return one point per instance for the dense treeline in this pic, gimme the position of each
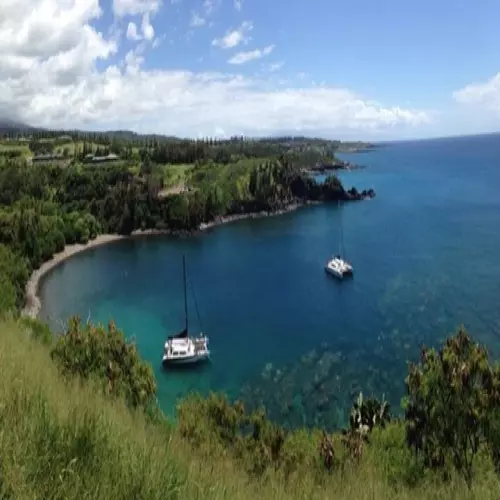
(163, 149)
(122, 202)
(43, 207)
(13, 133)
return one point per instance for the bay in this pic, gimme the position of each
(425, 253)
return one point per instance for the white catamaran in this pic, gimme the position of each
(181, 348)
(337, 266)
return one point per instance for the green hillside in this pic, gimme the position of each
(64, 439)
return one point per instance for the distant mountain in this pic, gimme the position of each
(8, 124)
(131, 135)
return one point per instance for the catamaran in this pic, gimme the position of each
(181, 348)
(337, 266)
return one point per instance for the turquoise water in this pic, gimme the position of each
(426, 253)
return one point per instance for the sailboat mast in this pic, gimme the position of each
(185, 291)
(341, 230)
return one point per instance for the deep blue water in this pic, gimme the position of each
(426, 253)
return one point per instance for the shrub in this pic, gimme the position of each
(91, 351)
(14, 275)
(214, 422)
(364, 417)
(393, 458)
(451, 396)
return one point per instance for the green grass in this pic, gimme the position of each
(174, 175)
(70, 145)
(7, 146)
(135, 169)
(64, 440)
(60, 440)
(233, 177)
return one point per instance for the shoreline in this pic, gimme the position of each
(33, 304)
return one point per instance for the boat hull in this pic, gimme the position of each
(337, 273)
(186, 360)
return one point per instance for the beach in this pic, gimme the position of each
(33, 304)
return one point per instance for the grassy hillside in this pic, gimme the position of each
(106, 438)
(63, 439)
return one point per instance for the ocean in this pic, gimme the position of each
(425, 253)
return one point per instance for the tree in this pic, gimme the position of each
(86, 350)
(451, 394)
(7, 295)
(196, 209)
(14, 275)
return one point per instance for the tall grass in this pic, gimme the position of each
(62, 440)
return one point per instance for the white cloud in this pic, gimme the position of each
(196, 20)
(157, 41)
(238, 4)
(219, 132)
(148, 32)
(275, 66)
(49, 77)
(133, 62)
(132, 32)
(200, 19)
(244, 57)
(485, 95)
(132, 7)
(210, 6)
(147, 29)
(234, 37)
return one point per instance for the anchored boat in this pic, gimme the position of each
(181, 348)
(338, 266)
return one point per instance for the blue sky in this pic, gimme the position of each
(387, 69)
(415, 52)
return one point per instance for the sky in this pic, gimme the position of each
(361, 69)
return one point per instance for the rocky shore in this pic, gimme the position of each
(254, 215)
(353, 194)
(323, 168)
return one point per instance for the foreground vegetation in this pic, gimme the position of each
(79, 421)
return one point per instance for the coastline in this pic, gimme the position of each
(254, 215)
(33, 303)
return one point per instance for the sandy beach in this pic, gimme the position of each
(33, 304)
